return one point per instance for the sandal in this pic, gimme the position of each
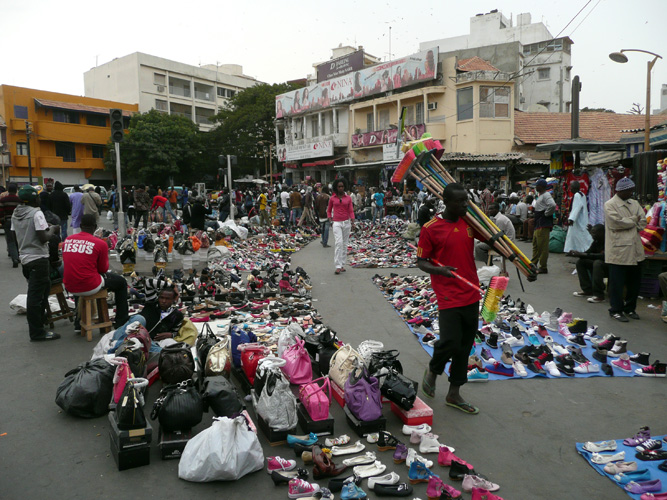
(464, 407)
(427, 389)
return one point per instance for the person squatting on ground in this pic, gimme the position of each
(340, 213)
(545, 207)
(450, 241)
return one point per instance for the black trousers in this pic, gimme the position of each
(39, 285)
(591, 273)
(619, 277)
(139, 214)
(458, 327)
(116, 284)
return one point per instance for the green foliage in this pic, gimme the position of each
(602, 110)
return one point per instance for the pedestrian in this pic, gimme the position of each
(284, 204)
(450, 241)
(172, 196)
(61, 206)
(529, 222)
(321, 204)
(45, 197)
(115, 207)
(503, 223)
(8, 204)
(91, 202)
(163, 203)
(98, 191)
(295, 205)
(262, 200)
(662, 279)
(591, 267)
(86, 260)
(544, 221)
(340, 213)
(76, 199)
(624, 219)
(33, 234)
(377, 204)
(407, 202)
(426, 211)
(198, 212)
(578, 238)
(142, 203)
(485, 197)
(223, 205)
(308, 208)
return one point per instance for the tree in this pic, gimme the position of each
(636, 109)
(158, 146)
(601, 110)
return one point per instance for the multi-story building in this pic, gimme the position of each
(168, 86)
(539, 65)
(57, 136)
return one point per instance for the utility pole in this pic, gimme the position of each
(27, 137)
(229, 178)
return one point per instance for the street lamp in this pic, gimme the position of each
(620, 57)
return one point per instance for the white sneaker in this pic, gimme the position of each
(598, 458)
(374, 469)
(373, 437)
(415, 437)
(339, 441)
(365, 459)
(587, 367)
(391, 478)
(519, 369)
(552, 369)
(514, 341)
(530, 310)
(429, 444)
(601, 446)
(420, 429)
(412, 456)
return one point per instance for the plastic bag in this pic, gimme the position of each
(557, 240)
(103, 345)
(485, 273)
(226, 451)
(87, 390)
(241, 231)
(19, 303)
(109, 215)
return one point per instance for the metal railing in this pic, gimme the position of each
(185, 92)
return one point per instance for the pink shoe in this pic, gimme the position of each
(277, 463)
(298, 488)
(564, 331)
(623, 363)
(565, 318)
(445, 457)
(436, 488)
(482, 494)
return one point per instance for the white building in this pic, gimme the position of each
(542, 65)
(168, 86)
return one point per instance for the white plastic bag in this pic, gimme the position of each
(484, 274)
(287, 338)
(18, 303)
(109, 215)
(226, 451)
(242, 232)
(102, 346)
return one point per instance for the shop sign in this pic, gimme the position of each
(309, 150)
(392, 152)
(340, 66)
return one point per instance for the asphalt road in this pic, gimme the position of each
(522, 439)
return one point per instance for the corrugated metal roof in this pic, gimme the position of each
(70, 106)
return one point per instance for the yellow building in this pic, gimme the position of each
(66, 136)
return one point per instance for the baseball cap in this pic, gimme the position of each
(28, 193)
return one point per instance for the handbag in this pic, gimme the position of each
(276, 403)
(218, 359)
(250, 356)
(264, 368)
(342, 363)
(367, 348)
(176, 363)
(384, 359)
(220, 395)
(315, 400)
(362, 395)
(179, 407)
(326, 349)
(298, 368)
(240, 336)
(120, 377)
(399, 389)
(130, 410)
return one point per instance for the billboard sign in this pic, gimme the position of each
(388, 136)
(403, 72)
(340, 66)
(309, 150)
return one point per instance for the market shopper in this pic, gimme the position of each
(591, 267)
(92, 202)
(340, 213)
(578, 238)
(624, 219)
(163, 203)
(33, 233)
(295, 205)
(142, 203)
(76, 199)
(449, 241)
(8, 204)
(61, 206)
(377, 204)
(321, 204)
(263, 201)
(544, 210)
(503, 223)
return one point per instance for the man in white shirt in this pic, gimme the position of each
(284, 203)
(503, 223)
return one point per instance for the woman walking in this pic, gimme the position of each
(341, 213)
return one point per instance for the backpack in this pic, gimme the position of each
(176, 363)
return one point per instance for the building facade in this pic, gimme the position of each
(539, 65)
(168, 86)
(58, 136)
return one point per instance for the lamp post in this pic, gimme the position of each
(620, 57)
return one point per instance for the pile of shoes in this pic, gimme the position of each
(380, 245)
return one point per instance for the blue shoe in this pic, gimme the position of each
(419, 473)
(533, 339)
(475, 375)
(308, 440)
(635, 475)
(350, 491)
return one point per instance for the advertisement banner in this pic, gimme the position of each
(340, 66)
(387, 136)
(310, 150)
(391, 152)
(403, 72)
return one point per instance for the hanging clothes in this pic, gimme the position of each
(584, 183)
(578, 238)
(599, 193)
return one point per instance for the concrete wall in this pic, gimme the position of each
(116, 80)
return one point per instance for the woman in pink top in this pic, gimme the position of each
(341, 212)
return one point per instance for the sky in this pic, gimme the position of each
(49, 45)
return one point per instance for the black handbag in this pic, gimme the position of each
(136, 357)
(385, 359)
(326, 349)
(220, 395)
(205, 341)
(176, 363)
(179, 408)
(399, 389)
(130, 408)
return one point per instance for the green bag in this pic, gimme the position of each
(557, 240)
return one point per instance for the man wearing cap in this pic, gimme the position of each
(624, 219)
(33, 235)
(544, 221)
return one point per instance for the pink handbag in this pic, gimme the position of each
(297, 368)
(121, 376)
(314, 399)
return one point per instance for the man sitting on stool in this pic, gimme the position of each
(591, 268)
(503, 223)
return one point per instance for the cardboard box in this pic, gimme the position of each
(131, 457)
(420, 413)
(171, 444)
(129, 438)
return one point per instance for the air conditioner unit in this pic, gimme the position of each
(432, 106)
(160, 88)
(349, 161)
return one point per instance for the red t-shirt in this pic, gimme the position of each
(85, 257)
(451, 244)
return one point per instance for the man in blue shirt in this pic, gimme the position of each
(377, 204)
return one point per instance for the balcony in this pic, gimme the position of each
(387, 136)
(180, 91)
(58, 162)
(483, 76)
(204, 93)
(71, 132)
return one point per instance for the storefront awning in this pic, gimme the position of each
(71, 106)
(580, 145)
(319, 163)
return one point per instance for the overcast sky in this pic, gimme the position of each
(48, 45)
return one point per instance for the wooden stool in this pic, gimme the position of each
(64, 312)
(489, 262)
(102, 321)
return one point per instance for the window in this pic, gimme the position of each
(494, 102)
(66, 151)
(231, 93)
(568, 105)
(221, 92)
(419, 113)
(21, 112)
(383, 119)
(370, 123)
(22, 148)
(65, 117)
(96, 120)
(314, 131)
(543, 73)
(98, 151)
(464, 105)
(161, 105)
(159, 79)
(410, 115)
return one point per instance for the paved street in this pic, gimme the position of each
(522, 439)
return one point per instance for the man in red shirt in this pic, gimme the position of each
(86, 260)
(451, 242)
(162, 202)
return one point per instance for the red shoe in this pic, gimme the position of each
(445, 457)
(480, 494)
(438, 490)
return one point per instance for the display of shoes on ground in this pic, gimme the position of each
(380, 245)
(637, 464)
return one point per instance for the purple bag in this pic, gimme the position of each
(362, 395)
